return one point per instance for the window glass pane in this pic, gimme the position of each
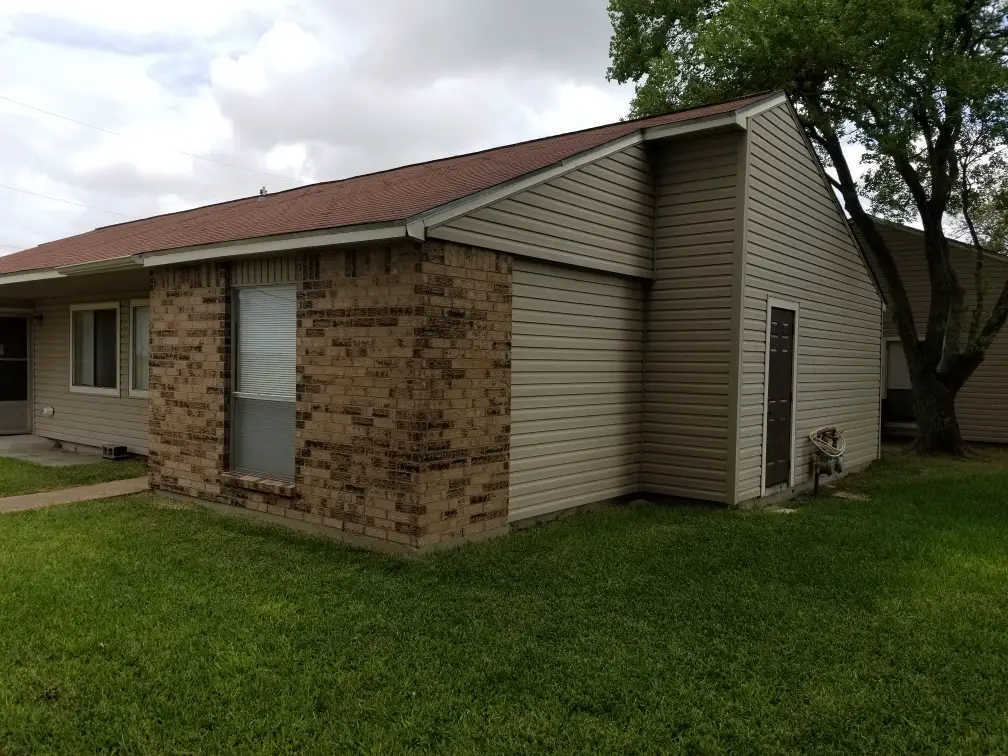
(83, 342)
(13, 380)
(141, 348)
(105, 348)
(264, 410)
(267, 341)
(94, 348)
(13, 338)
(263, 437)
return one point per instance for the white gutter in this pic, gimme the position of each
(101, 266)
(29, 276)
(710, 123)
(744, 114)
(285, 243)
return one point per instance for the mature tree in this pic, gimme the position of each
(922, 85)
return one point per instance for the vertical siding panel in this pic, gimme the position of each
(982, 405)
(263, 270)
(598, 216)
(798, 249)
(576, 362)
(85, 419)
(686, 390)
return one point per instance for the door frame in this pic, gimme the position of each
(781, 304)
(886, 342)
(29, 316)
(894, 428)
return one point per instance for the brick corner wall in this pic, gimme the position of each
(465, 346)
(190, 371)
(403, 392)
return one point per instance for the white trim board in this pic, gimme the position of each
(133, 304)
(28, 276)
(130, 262)
(273, 244)
(781, 304)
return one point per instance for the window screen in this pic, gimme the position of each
(95, 343)
(140, 359)
(265, 382)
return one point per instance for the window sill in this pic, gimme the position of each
(138, 394)
(94, 391)
(257, 483)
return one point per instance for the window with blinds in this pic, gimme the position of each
(265, 381)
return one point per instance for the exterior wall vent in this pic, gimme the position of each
(114, 451)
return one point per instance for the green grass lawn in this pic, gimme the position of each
(19, 477)
(880, 626)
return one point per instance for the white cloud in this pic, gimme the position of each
(310, 90)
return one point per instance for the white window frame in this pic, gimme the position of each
(886, 342)
(233, 388)
(134, 303)
(795, 307)
(95, 390)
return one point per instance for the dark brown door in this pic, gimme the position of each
(780, 397)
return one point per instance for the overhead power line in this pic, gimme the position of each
(168, 149)
(12, 246)
(65, 202)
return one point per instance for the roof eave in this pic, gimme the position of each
(268, 245)
(28, 276)
(114, 265)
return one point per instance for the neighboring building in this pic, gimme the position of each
(444, 350)
(982, 404)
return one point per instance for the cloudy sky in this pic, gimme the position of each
(298, 90)
(308, 91)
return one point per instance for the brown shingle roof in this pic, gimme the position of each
(393, 195)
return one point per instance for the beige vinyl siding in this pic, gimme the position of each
(599, 216)
(686, 390)
(799, 249)
(577, 339)
(86, 419)
(982, 405)
(264, 270)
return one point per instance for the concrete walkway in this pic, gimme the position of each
(42, 451)
(70, 495)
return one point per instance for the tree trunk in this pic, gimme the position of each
(937, 425)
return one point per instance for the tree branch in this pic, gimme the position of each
(978, 280)
(905, 325)
(945, 291)
(966, 364)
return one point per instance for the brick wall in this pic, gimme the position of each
(465, 346)
(358, 389)
(190, 379)
(403, 393)
(190, 369)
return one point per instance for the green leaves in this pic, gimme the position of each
(921, 85)
(901, 77)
